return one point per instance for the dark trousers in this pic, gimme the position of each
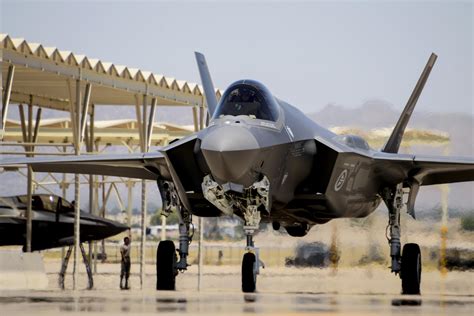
(125, 268)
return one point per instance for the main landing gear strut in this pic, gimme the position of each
(167, 263)
(406, 263)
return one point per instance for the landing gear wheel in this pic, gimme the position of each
(249, 276)
(411, 269)
(165, 266)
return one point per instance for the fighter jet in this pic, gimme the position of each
(263, 160)
(53, 223)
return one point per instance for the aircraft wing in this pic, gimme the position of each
(428, 170)
(142, 166)
(436, 170)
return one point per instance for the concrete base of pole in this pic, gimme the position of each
(22, 271)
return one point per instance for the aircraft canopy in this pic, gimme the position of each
(248, 98)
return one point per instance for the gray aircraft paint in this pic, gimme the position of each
(314, 175)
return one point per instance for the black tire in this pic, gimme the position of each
(411, 269)
(165, 266)
(249, 278)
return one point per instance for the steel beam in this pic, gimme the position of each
(139, 121)
(6, 96)
(144, 123)
(78, 116)
(151, 120)
(37, 126)
(72, 112)
(30, 123)
(23, 124)
(40, 100)
(85, 110)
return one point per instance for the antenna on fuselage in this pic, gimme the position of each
(206, 82)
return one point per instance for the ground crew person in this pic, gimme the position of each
(125, 264)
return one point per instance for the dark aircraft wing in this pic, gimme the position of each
(425, 170)
(143, 166)
(437, 170)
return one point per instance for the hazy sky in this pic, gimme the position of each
(308, 53)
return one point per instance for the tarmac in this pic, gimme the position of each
(281, 291)
(214, 302)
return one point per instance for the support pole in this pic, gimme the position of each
(96, 194)
(200, 255)
(6, 97)
(129, 202)
(144, 149)
(77, 204)
(29, 225)
(143, 235)
(195, 118)
(201, 117)
(201, 220)
(90, 148)
(64, 187)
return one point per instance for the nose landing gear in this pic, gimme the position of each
(251, 262)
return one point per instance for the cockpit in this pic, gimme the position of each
(248, 98)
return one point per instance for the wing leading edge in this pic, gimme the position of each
(428, 170)
(142, 166)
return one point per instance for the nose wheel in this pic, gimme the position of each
(249, 273)
(411, 269)
(166, 266)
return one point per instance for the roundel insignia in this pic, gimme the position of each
(340, 180)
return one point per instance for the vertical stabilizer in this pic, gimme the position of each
(207, 84)
(393, 143)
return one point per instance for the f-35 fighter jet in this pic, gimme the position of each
(263, 160)
(52, 220)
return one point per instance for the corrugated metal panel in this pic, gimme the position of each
(44, 73)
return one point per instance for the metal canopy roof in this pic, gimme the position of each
(112, 132)
(47, 74)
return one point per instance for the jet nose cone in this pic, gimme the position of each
(114, 228)
(230, 153)
(229, 138)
